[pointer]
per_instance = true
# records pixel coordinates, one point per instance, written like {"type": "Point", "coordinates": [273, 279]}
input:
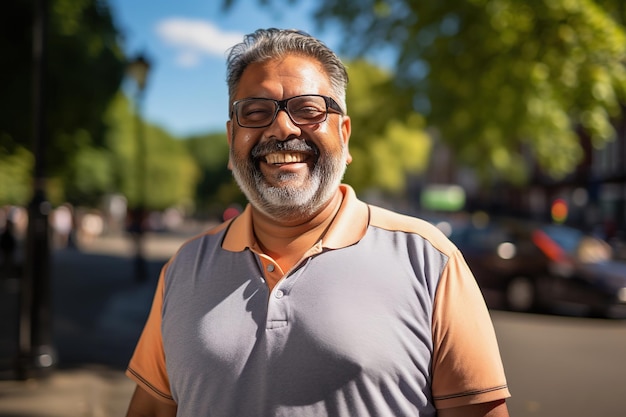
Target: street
{"type": "Point", "coordinates": [556, 366]}
{"type": "Point", "coordinates": [563, 366]}
{"type": "Point", "coordinates": [98, 313]}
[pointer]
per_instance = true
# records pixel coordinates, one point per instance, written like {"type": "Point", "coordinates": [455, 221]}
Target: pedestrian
{"type": "Point", "coordinates": [62, 221]}
{"type": "Point", "coordinates": [311, 302]}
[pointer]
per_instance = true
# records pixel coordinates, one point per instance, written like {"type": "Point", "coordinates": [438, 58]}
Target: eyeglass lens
{"type": "Point", "coordinates": [260, 112]}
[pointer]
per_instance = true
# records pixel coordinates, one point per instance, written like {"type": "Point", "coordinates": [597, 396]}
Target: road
{"type": "Point", "coordinates": [563, 366]}
{"type": "Point", "coordinates": [98, 313]}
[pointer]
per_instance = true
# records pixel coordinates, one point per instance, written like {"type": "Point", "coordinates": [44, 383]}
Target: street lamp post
{"type": "Point", "coordinates": [35, 349]}
{"type": "Point", "coordinates": [138, 70]}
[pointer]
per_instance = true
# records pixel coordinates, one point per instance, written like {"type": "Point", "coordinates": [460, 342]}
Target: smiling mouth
{"type": "Point", "coordinates": [285, 158]}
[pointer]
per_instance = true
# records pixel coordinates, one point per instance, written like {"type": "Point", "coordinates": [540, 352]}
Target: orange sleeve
{"type": "Point", "coordinates": [147, 365]}
{"type": "Point", "coordinates": [467, 368]}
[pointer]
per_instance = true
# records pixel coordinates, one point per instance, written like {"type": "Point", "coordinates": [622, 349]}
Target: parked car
{"type": "Point", "coordinates": [532, 266]}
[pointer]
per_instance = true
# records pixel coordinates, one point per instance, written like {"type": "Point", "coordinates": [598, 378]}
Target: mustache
{"type": "Point", "coordinates": [290, 145]}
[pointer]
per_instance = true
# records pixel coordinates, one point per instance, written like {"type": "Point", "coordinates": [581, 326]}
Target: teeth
{"type": "Point", "coordinates": [284, 158]}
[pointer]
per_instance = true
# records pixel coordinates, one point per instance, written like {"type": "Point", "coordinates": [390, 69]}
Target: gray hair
{"type": "Point", "coordinates": [266, 44]}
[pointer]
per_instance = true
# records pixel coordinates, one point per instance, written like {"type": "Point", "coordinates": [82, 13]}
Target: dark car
{"type": "Point", "coordinates": [531, 266]}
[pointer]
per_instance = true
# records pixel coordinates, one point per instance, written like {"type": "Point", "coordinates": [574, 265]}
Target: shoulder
{"type": "Point", "coordinates": [207, 239]}
{"type": "Point", "coordinates": [396, 222]}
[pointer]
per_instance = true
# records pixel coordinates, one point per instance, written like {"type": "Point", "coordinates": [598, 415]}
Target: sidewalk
{"type": "Point", "coordinates": [90, 391]}
{"type": "Point", "coordinates": [98, 313]}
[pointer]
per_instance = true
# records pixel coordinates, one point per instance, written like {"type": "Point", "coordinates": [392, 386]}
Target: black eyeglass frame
{"type": "Point", "coordinates": [331, 107]}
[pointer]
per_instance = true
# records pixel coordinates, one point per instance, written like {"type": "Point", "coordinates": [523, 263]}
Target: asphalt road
{"type": "Point", "coordinates": [563, 366]}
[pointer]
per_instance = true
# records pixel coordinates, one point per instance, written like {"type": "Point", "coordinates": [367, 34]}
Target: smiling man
{"type": "Point", "coordinates": [311, 302]}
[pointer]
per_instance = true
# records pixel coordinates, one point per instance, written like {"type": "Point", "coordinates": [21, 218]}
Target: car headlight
{"type": "Point", "coordinates": [506, 250]}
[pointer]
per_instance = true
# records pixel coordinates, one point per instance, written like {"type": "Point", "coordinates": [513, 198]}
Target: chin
{"type": "Point", "coordinates": [289, 202]}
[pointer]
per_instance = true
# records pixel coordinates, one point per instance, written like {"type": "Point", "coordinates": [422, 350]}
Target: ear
{"type": "Point", "coordinates": [229, 137]}
{"type": "Point", "coordinates": [346, 129]}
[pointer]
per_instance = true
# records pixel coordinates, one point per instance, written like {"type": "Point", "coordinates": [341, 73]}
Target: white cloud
{"type": "Point", "coordinates": [188, 59]}
{"type": "Point", "coordinates": [194, 38]}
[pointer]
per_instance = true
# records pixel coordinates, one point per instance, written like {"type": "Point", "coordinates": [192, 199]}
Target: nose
{"type": "Point", "coordinates": [283, 126]}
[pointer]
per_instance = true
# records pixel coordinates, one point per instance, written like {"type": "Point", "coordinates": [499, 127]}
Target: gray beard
{"type": "Point", "coordinates": [288, 202]}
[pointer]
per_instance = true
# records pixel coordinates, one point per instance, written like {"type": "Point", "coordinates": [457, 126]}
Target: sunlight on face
{"type": "Point", "coordinates": [288, 171]}
{"type": "Point", "coordinates": [292, 199]}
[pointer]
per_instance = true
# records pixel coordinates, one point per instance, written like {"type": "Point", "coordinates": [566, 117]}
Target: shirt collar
{"type": "Point", "coordinates": [347, 228]}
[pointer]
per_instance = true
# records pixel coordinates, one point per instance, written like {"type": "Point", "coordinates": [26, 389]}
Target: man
{"type": "Point", "coordinates": [311, 302]}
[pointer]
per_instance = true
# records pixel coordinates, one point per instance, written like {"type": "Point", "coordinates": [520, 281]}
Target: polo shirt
{"type": "Point", "coordinates": [382, 317]}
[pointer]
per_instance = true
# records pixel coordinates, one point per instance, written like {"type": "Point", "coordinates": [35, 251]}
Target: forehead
{"type": "Point", "coordinates": [283, 77]}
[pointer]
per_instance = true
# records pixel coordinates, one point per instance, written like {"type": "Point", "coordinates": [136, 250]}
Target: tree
{"type": "Point", "coordinates": [89, 175]}
{"type": "Point", "coordinates": [15, 170]}
{"type": "Point", "coordinates": [85, 65]}
{"type": "Point", "coordinates": [216, 188]}
{"type": "Point", "coordinates": [387, 142]}
{"type": "Point", "coordinates": [500, 79]}
{"type": "Point", "coordinates": [171, 172]}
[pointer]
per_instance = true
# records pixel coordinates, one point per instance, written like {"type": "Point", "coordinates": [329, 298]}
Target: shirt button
{"type": "Point", "coordinates": [270, 268]}
{"type": "Point", "coordinates": [279, 294]}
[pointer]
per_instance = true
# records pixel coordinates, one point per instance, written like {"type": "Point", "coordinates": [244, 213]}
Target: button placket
{"type": "Point", "coordinates": [279, 304]}
{"type": "Point", "coordinates": [278, 310]}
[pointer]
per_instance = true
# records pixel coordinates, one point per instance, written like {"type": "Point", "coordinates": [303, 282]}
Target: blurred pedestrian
{"type": "Point", "coordinates": [62, 224]}
{"type": "Point", "coordinates": [311, 302]}
{"type": "Point", "coordinates": [91, 227]}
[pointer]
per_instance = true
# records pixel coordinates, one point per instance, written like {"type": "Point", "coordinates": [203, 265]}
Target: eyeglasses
{"type": "Point", "coordinates": [302, 110]}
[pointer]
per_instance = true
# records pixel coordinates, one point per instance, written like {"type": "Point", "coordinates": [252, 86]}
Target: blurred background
{"type": "Point", "coordinates": [500, 121]}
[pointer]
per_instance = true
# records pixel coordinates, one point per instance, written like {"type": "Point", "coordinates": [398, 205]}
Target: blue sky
{"type": "Point", "coordinates": [186, 40]}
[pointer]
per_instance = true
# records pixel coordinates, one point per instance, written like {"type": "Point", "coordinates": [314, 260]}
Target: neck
{"type": "Point", "coordinates": [286, 243]}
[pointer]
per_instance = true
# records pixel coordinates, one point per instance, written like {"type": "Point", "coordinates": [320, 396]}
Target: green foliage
{"type": "Point", "coordinates": [88, 176]}
{"type": "Point", "coordinates": [121, 140]}
{"type": "Point", "coordinates": [83, 68]}
{"type": "Point", "coordinates": [171, 173]}
{"type": "Point", "coordinates": [216, 188]}
{"type": "Point", "coordinates": [500, 80]}
{"type": "Point", "coordinates": [85, 59]}
{"type": "Point", "coordinates": [386, 142]}
{"type": "Point", "coordinates": [91, 130]}
{"type": "Point", "coordinates": [15, 167]}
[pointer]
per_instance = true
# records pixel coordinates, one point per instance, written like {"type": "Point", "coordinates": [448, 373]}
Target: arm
{"type": "Point", "coordinates": [143, 404]}
{"type": "Point", "coordinates": [491, 409]}
{"type": "Point", "coordinates": [467, 366]}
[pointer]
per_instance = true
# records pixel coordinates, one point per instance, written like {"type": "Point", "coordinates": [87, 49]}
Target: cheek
{"type": "Point", "coordinates": [331, 137]}
{"type": "Point", "coordinates": [242, 142]}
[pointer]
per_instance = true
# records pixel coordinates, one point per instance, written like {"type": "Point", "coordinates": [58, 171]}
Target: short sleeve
{"type": "Point", "coordinates": [467, 367]}
{"type": "Point", "coordinates": [147, 365]}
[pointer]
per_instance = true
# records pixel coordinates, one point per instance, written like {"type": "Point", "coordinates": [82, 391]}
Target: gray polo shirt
{"type": "Point", "coordinates": [372, 322]}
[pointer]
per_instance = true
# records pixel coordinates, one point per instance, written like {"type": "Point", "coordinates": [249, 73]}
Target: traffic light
{"type": "Point", "coordinates": [559, 210]}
